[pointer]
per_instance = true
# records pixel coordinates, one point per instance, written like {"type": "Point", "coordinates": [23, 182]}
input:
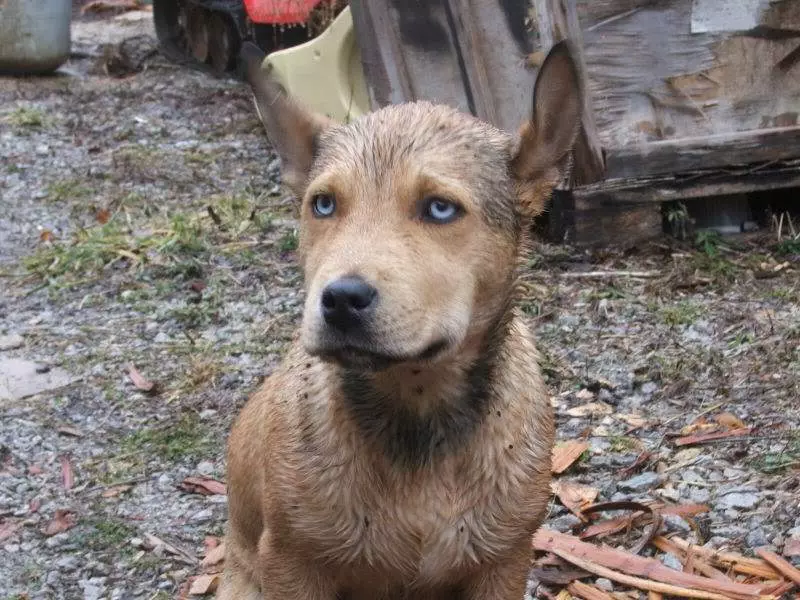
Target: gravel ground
{"type": "Point", "coordinates": [144, 224]}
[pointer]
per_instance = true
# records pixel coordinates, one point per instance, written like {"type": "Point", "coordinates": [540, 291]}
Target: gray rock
{"type": "Point", "coordinates": [205, 468]}
{"type": "Point", "coordinates": [564, 523]}
{"type": "Point", "coordinates": [68, 563]}
{"type": "Point", "coordinates": [649, 388]}
{"type": "Point", "coordinates": [203, 515]}
{"type": "Point", "coordinates": [11, 342]}
{"type": "Point", "coordinates": [671, 561]}
{"type": "Point", "coordinates": [699, 495]}
{"type": "Point", "coordinates": [604, 584]}
{"type": "Point", "coordinates": [757, 537]}
{"type": "Point", "coordinates": [741, 500]}
{"type": "Point", "coordinates": [676, 523]}
{"type": "Point", "coordinates": [641, 483]}
{"type": "Point", "coordinates": [23, 378]}
{"type": "Point", "coordinates": [94, 588]}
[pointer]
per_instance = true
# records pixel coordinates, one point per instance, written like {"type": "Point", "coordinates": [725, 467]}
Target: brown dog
{"type": "Point", "coordinates": [402, 450]}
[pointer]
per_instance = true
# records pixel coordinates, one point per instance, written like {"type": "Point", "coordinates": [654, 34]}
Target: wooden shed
{"type": "Point", "coordinates": [684, 98]}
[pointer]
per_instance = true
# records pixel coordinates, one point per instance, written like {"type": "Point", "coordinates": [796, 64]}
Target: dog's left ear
{"type": "Point", "coordinates": [551, 132]}
{"type": "Point", "coordinates": [292, 129]}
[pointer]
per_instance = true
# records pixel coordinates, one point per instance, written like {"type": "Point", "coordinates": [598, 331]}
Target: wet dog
{"type": "Point", "coordinates": [402, 449]}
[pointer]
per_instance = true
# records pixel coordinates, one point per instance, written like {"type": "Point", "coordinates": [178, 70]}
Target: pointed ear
{"type": "Point", "coordinates": [292, 130]}
{"type": "Point", "coordinates": [557, 104]}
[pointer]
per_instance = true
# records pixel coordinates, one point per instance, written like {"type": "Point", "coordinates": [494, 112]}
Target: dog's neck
{"type": "Point", "coordinates": [416, 413]}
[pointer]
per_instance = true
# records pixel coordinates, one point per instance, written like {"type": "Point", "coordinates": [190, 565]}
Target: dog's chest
{"type": "Point", "coordinates": [409, 528]}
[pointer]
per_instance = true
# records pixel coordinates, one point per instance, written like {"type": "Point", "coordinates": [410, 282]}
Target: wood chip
{"type": "Point", "coordinates": [139, 381]}
{"type": "Point", "coordinates": [591, 409]}
{"type": "Point", "coordinates": [203, 485]}
{"type": "Point", "coordinates": [8, 528]}
{"type": "Point", "coordinates": [214, 556]}
{"type": "Point", "coordinates": [730, 420]}
{"type": "Point", "coordinates": [588, 592]}
{"type": "Point", "coordinates": [601, 561]}
{"type": "Point", "coordinates": [62, 521]}
{"type": "Point", "coordinates": [730, 560]}
{"type": "Point", "coordinates": [566, 453]}
{"type": "Point", "coordinates": [203, 585]}
{"type": "Point", "coordinates": [780, 565]}
{"type": "Point", "coordinates": [702, 438]}
{"type": "Point", "coordinates": [67, 474]}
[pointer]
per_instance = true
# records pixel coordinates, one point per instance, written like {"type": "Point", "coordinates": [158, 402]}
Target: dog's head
{"type": "Point", "coordinates": [411, 217]}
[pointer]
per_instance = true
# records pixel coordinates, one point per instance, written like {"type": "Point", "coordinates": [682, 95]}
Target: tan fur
{"type": "Point", "coordinates": [324, 502]}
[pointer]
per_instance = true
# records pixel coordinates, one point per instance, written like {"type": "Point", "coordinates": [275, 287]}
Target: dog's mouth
{"type": "Point", "coordinates": [365, 358]}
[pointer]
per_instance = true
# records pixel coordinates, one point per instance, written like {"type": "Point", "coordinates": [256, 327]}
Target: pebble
{"type": "Point", "coordinates": [738, 500]}
{"type": "Point", "coordinates": [11, 342]}
{"type": "Point", "coordinates": [757, 538]}
{"type": "Point", "coordinates": [564, 523]}
{"type": "Point", "coordinates": [671, 561]}
{"type": "Point", "coordinates": [640, 483]}
{"type": "Point", "coordinates": [203, 515]}
{"type": "Point", "coordinates": [93, 588]}
{"type": "Point", "coordinates": [68, 563]}
{"type": "Point", "coordinates": [205, 468]}
{"type": "Point", "coordinates": [604, 584]}
{"type": "Point", "coordinates": [699, 495]}
{"type": "Point", "coordinates": [676, 523]}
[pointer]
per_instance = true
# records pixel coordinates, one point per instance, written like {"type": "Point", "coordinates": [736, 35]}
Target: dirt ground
{"type": "Point", "coordinates": [143, 224]}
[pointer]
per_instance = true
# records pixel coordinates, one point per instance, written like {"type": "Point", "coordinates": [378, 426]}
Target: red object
{"type": "Point", "coordinates": [279, 12]}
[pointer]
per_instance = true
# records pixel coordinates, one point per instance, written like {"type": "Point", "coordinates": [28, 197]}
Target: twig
{"type": "Point", "coordinates": [737, 562]}
{"type": "Point", "coordinates": [601, 274]}
{"type": "Point", "coordinates": [638, 583]}
{"type": "Point", "coordinates": [587, 592]}
{"type": "Point", "coordinates": [779, 564]}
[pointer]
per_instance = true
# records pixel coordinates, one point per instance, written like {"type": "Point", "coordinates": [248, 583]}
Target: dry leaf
{"type": "Point", "coordinates": [138, 379]}
{"type": "Point", "coordinates": [34, 505]}
{"type": "Point", "coordinates": [45, 235]}
{"type": "Point", "coordinates": [214, 556]}
{"type": "Point", "coordinates": [574, 496]}
{"type": "Point", "coordinates": [115, 491]}
{"type": "Point", "coordinates": [592, 409]}
{"type": "Point", "coordinates": [699, 426]}
{"type": "Point", "coordinates": [103, 215]}
{"type": "Point", "coordinates": [62, 521]}
{"type": "Point", "coordinates": [203, 485]}
{"type": "Point", "coordinates": [35, 470]}
{"type": "Point", "coordinates": [730, 421]}
{"type": "Point", "coordinates": [585, 395]}
{"type": "Point", "coordinates": [566, 453]}
{"type": "Point", "coordinates": [67, 475]}
{"type": "Point", "coordinates": [632, 420]}
{"type": "Point", "coordinates": [8, 529]}
{"type": "Point", "coordinates": [203, 585]}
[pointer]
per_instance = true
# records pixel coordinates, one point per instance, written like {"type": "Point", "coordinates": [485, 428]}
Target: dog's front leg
{"type": "Point", "coordinates": [286, 576]}
{"type": "Point", "coordinates": [506, 579]}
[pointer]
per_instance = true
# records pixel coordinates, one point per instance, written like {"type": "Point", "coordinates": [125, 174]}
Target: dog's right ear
{"type": "Point", "coordinates": [292, 130]}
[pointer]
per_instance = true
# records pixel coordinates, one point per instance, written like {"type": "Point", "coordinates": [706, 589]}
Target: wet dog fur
{"type": "Point", "coordinates": [402, 449]}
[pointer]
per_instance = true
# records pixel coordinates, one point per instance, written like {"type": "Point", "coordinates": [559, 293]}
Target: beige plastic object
{"type": "Point", "coordinates": [325, 73]}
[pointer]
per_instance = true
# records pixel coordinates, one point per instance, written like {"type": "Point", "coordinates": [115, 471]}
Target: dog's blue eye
{"type": "Point", "coordinates": [323, 205]}
{"type": "Point", "coordinates": [438, 210]}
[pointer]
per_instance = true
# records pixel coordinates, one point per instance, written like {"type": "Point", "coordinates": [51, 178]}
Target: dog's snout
{"type": "Point", "coordinates": [346, 301]}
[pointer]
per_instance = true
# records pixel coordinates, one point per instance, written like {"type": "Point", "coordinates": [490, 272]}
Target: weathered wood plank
{"type": "Point", "coordinates": [667, 188]}
{"type": "Point", "coordinates": [670, 69]}
{"type": "Point", "coordinates": [700, 153]}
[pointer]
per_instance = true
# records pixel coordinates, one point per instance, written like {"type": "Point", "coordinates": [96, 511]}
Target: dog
{"type": "Point", "coordinates": [403, 447]}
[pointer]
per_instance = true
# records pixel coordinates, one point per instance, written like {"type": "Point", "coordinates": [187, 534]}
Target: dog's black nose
{"type": "Point", "coordinates": [346, 301]}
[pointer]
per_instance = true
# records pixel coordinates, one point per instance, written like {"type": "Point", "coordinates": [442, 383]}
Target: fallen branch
{"type": "Point", "coordinates": [601, 274]}
{"type": "Point", "coordinates": [689, 559]}
{"type": "Point", "coordinates": [642, 584]}
{"type": "Point", "coordinates": [570, 548]}
{"type": "Point", "coordinates": [736, 562]}
{"type": "Point", "coordinates": [780, 565]}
